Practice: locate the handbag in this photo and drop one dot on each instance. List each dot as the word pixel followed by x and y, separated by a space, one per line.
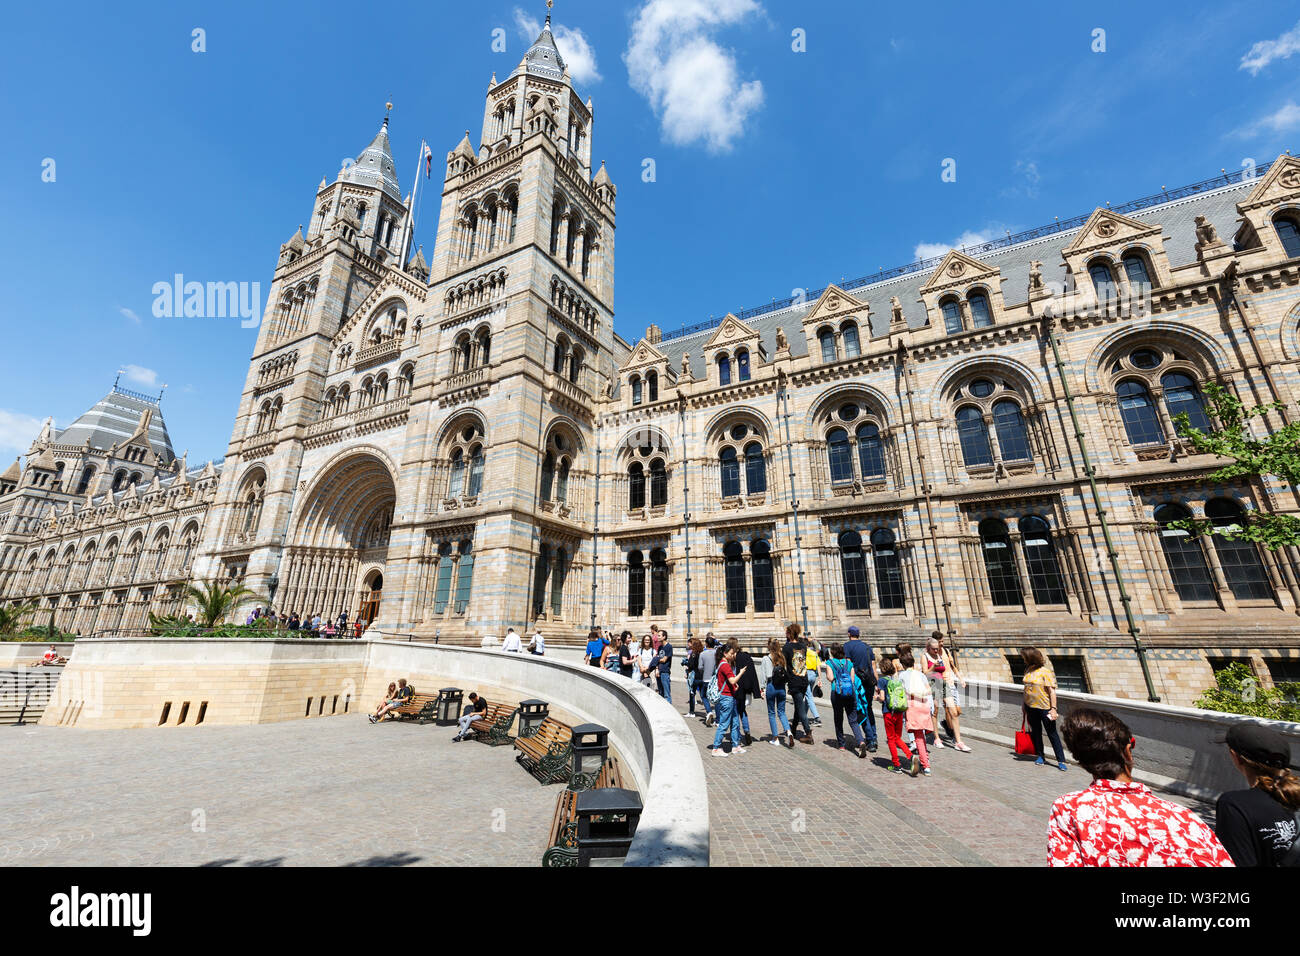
pixel 1024 743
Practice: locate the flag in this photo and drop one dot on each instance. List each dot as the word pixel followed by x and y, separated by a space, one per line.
pixel 428 161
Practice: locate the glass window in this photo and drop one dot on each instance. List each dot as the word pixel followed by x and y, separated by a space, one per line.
pixel 1070 674
pixel 658 582
pixel 755 469
pixel 464 576
pixel 1013 440
pixel 974 437
pixel 1141 423
pixel 457 481
pixel 853 568
pixel 636 485
pixel 562 481
pixel 1289 233
pixel 1102 280
pixel 1182 395
pixel 1135 269
pixel 636 390
pixel 558 575
pixel 548 475
pixel 852 346
pixel 841 459
pixel 1000 564
pixel 1145 358
pixel 742 366
pixel 724 370
pixel 1040 561
pixel 635 584
pixel 827 339
pixel 1184 556
pixel 729 467
pixel 889 572
pixel 557 361
pixel 652 380
pixel 982 388
pixel 871 453
pixel 734 566
pixel 848 412
pixel 475 471
pixel 951 316
pixel 980 313
pixel 1242 567
pixel 760 558
pixel 658 483
pixel 442 587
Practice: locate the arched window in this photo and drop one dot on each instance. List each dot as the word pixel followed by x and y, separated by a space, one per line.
pixel 755 469
pixel 636 486
pixel 951 316
pixel 1289 232
pixel 729 468
pixel 658 483
pixel 1141 423
pixel 841 458
pixel 652 385
pixel 1013 441
pixel 974 437
pixel 999 564
pixel 854 570
pixel 558 575
pixel 548 476
pixel 760 559
pixel 852 344
pixel 119 479
pixel 724 370
pixel 484 347
pixel 575 365
pixel 658 582
pixel 889 571
pixel 475 470
pixel 464 575
pixel 464 354
pixel 408 378
pixel 456 484
pixel 980 313
pixel 871 453
pixel 1102 280
pixel 1242 568
pixel 1135 270
pixel 742 365
pixel 1184 556
pixel 562 480
pixel 636 390
pixel 540 574
pixel 1182 395
pixel 635 584
pixel 87 473
pixel 734 567
pixel 1040 561
pixel 442 584
pixel 827 339
pixel 558 357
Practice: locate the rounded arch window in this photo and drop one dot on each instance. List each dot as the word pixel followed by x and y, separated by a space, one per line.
pixel 889 570
pixel 852 343
pixel 1182 397
pixel 636 485
pixel 1141 423
pixel 733 560
pixel 871 453
pixel 827 340
pixel 724 370
pixel 853 570
pixel 1135 270
pixel 729 471
pixel 652 385
pixel 742 365
pixel 1041 564
pixel 658 582
pixel 980 312
pixel 1183 555
pixel 999 564
pixel 1013 439
pixel 760 560
pixel 755 469
pixel 839 455
pixel 635 584
pixel 951 316
pixel 637 394
pixel 1242 568
pixel 973 436
pixel 1103 281
pixel 658 483
pixel 1288 231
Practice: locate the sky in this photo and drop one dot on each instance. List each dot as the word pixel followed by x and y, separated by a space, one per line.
pixel 759 147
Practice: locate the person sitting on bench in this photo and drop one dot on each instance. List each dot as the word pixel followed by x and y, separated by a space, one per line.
pixel 404 693
pixel 52 656
pixel 476 709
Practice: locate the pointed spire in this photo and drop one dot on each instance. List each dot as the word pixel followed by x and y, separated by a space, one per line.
pixel 13 472
pixel 543 57
pixel 375 166
pixel 466 148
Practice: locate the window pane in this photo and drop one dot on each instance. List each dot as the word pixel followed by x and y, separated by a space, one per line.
pixel 742 366
pixel 539 580
pixel 636 486
pixel 1289 233
pixel 1182 395
pixel 464 577
pixel 729 467
pixel 1012 437
pixel 871 454
pixel 974 437
pixel 635 584
pixel 852 347
pixel 1135 268
pixel 724 370
pixel 755 469
pixel 1102 281
pixel 658 583
pixel 1000 564
pixel 1183 554
pixel 853 567
pixel 981 314
pixel 735 577
pixel 828 346
pixel 548 475
pixel 889 572
pixel 1242 567
pixel 558 575
pixel 1040 561
pixel 841 459
pixel 951 317
pixel 442 590
pixel 658 484
pixel 476 474
pixel 1141 423
pixel 760 557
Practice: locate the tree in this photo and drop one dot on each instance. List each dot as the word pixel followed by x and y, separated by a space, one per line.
pixel 1236 691
pixel 215 601
pixel 11 618
pixel 1277 455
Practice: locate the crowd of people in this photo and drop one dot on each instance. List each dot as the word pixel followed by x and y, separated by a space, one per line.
pixel 314 624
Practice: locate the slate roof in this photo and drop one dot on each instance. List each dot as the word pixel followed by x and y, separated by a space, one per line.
pixel 375 167
pixel 114 418
pixel 543 57
pixel 1176 217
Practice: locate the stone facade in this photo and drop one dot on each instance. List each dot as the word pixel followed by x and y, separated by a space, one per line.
pixel 452 445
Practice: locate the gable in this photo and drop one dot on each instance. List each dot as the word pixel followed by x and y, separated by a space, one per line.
pixel 729 331
pixel 958 269
pixel 834 302
pixel 644 354
pixel 1106 228
pixel 1282 181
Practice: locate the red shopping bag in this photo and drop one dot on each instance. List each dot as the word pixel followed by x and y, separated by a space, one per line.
pixel 1024 743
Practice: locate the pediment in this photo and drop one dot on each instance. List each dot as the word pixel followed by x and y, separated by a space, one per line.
pixel 730 330
pixel 644 354
pixel 1282 181
pixel 957 268
pixel 1107 228
pixel 833 302
pixel 394 283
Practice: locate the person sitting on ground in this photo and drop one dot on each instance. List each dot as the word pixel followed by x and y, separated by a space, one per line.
pixel 1117 821
pixel 52 656
pixel 404 693
pixel 1260 826
pixel 476 709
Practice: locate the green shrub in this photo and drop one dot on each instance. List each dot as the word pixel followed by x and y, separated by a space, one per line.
pixel 1238 692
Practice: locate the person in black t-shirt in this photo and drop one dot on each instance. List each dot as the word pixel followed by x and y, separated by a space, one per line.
pixel 625 654
pixel 476 709
pixel 1260 826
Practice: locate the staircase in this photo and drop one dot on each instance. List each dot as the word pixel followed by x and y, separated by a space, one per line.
pixel 25 692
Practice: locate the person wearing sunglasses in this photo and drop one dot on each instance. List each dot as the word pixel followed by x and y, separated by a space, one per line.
pixel 1118 821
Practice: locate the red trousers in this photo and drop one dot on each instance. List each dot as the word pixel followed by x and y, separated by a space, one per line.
pixel 894 735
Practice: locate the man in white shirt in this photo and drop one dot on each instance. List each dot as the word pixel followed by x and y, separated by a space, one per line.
pixel 512 644
pixel 537 645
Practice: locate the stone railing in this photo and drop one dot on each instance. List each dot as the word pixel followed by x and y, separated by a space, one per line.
pixel 377 353
pixel 360 416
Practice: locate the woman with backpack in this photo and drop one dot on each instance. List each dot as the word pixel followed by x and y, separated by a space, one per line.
pixel 728 680
pixel 844 700
pixel 917 719
pixel 796 662
pixel 813 669
pixel 749 687
pixel 892 694
pixel 775 676
pixel 691 663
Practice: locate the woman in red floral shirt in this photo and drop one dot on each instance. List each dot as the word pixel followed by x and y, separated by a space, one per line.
pixel 1116 821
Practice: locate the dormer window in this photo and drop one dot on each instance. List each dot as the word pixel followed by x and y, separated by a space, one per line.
pixel 637 395
pixel 981 314
pixel 724 370
pixel 742 365
pixel 652 385
pixel 827 339
pixel 951 316
pixel 852 344
pixel 1288 230
pixel 1102 279
pixel 1135 270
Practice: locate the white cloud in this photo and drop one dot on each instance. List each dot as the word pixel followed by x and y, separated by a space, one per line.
pixel 141 375
pixel 1030 177
pixel 928 250
pixel 577 51
pixel 1266 51
pixel 130 314
pixel 1282 120
pixel 692 84
pixel 16 434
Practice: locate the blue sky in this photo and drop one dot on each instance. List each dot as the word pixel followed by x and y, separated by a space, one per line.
pixel 775 169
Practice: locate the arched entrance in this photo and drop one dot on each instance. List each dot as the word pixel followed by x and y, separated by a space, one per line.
pixel 343 528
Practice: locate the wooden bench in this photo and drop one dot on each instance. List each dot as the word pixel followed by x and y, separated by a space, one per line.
pixel 562 846
pixel 546 754
pixel 421 707
pixel 493 728
pixel 610 774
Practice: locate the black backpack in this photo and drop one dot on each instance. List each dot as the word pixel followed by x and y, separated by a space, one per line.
pixel 779 676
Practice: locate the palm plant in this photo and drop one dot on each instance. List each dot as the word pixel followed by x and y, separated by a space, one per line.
pixel 214 601
pixel 11 618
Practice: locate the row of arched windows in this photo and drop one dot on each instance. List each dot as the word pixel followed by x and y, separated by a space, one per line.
pixel 725 365
pixel 886 569
pixel 636 583
pixel 1041 566
pixel 471 351
pixel 567 358
pixel 467 462
pixel 645 390
pixel 461 564
pixel 1243 571
pixel 958 314
pixel 374 390
pixel 572 237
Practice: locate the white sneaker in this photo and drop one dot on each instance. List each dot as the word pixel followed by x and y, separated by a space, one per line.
pixel 775 742
pixel 721 753
pixel 737 750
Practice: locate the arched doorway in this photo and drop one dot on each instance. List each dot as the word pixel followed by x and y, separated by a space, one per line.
pixel 371 594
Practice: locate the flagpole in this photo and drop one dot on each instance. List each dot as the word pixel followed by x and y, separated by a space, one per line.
pixel 408 227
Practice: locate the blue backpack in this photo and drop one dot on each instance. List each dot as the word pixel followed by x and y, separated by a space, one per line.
pixel 843 683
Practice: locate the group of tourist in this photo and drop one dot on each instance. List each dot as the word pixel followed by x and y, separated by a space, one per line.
pixel 398 694
pixel 313 624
